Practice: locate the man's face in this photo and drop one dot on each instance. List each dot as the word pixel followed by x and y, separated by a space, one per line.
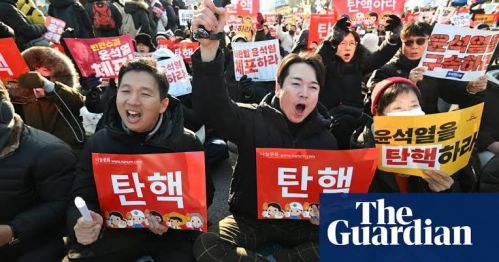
pixel 299 92
pixel 138 101
pixel 141 48
pixel 346 49
pixel 413 47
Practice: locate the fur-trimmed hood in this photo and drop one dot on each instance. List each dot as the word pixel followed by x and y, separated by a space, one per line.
pixel 15 138
pixel 63 70
pixel 133 5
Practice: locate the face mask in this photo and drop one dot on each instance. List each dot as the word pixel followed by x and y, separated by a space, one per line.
pixel 413 112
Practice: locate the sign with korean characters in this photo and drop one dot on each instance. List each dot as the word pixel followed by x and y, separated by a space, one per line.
pixel 185 16
pixel 257 60
pixel 320 27
pixel 458 53
pixel 12 64
pixel 185 50
pixel 177 76
pixel 169 186
pixel 289 181
pixel 102 57
pixel 410 144
pixel 55 29
pixel 359 10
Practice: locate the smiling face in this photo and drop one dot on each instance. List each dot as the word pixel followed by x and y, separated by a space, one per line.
pixel 299 93
pixel 404 101
pixel 196 222
pixel 138 101
pixel 346 49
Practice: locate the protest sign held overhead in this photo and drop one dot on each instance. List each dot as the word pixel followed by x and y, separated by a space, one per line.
pixel 185 16
pixel 168 186
pixel 12 64
pixel 55 29
pixel 289 181
pixel 320 27
pixel 177 76
pixel 102 57
pixel 358 10
pixel 458 53
pixel 257 60
pixel 410 144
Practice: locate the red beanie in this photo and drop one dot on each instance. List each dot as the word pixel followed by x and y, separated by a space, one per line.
pixel 380 88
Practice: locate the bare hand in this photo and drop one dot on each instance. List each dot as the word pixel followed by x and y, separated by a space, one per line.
pixel 438 180
pixel 155 225
pixel 5 235
pixel 416 74
pixel 478 85
pixel 87 232
pixel 207 17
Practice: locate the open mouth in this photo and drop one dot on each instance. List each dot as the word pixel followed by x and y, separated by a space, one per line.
pixel 347 56
pixel 300 108
pixel 133 116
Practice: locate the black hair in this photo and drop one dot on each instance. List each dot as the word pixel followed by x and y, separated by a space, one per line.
pixel 277 206
pixel 310 59
pixel 143 65
pixel 116 214
pixel 416 29
pixel 391 93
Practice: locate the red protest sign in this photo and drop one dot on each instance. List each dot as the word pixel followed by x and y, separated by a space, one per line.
pixel 320 27
pixel 359 10
pixel 289 181
pixel 169 186
pixel 185 50
pixel 101 56
pixel 55 29
pixel 12 64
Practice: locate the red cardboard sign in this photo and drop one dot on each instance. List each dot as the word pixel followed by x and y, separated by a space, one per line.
pixel 12 64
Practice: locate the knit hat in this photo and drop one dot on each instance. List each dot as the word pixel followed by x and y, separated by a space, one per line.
pixel 380 88
pixel 145 39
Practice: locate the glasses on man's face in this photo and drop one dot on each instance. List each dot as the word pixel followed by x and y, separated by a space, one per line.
pixel 419 41
pixel 350 44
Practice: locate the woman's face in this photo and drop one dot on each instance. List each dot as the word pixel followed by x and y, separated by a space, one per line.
pixel 346 49
pixel 404 101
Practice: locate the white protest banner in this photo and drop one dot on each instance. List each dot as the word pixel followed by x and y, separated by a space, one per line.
pixel 185 16
pixel 458 53
pixel 257 60
pixel 461 20
pixel 55 29
pixel 176 73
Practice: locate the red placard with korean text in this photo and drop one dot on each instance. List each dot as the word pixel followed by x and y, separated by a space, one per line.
pixel 169 186
pixel 242 8
pixel 320 27
pixel 12 64
pixel 102 56
pixel 359 9
pixel 289 181
pixel 55 29
pixel 185 50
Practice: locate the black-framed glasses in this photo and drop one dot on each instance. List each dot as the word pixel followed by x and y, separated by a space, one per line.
pixel 418 41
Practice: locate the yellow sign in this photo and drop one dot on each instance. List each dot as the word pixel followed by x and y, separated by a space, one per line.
pixel 410 144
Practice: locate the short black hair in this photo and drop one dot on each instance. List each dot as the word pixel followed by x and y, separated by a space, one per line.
pixel 374 14
pixel 308 58
pixel 116 214
pixel 156 214
pixel 391 93
pixel 275 205
pixel 149 66
pixel 416 29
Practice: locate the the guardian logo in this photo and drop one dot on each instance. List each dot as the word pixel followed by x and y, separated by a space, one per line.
pixel 395 227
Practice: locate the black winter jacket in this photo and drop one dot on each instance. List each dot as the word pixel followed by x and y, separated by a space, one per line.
pixel 489 128
pixel 141 16
pixel 250 126
pixel 113 139
pixel 37 171
pixel 23 29
pixel 75 16
pixel 453 92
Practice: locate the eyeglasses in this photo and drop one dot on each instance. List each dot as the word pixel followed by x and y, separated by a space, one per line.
pixel 343 44
pixel 419 41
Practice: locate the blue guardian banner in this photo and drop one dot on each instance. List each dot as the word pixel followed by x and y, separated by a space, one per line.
pixel 409 227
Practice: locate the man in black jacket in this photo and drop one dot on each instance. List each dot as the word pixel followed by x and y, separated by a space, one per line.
pixel 37 171
pixel 142 119
pixel 288 119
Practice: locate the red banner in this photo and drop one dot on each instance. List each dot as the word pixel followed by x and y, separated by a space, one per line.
pixel 169 186
pixel 359 10
pixel 12 64
pixel 185 50
pixel 320 27
pixel 290 180
pixel 101 56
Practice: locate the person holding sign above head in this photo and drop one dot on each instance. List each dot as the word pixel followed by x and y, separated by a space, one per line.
pixel 141 119
pixel 397 96
pixel 288 118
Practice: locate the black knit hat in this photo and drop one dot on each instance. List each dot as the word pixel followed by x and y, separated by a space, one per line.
pixel 145 39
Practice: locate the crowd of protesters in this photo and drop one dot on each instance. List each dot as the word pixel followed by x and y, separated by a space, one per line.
pixel 323 98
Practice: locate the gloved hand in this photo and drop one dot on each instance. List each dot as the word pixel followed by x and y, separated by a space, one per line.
pixel 340 30
pixel 259 21
pixel 279 19
pixel 393 25
pixel 32 80
pixel 246 86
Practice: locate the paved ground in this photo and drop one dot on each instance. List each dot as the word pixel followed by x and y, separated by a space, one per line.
pixel 221 177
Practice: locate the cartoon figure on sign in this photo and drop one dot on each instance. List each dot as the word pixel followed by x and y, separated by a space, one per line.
pixel 272 210
pixel 294 210
pixel 175 220
pixel 136 218
pixel 195 221
pixel 310 212
pixel 115 220
pixel 154 214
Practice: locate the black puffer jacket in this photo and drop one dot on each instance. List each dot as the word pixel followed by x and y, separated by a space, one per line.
pixel 489 129
pixel 23 29
pixel 37 171
pixel 250 126
pixel 113 139
pixel 75 16
pixel 453 92
pixel 142 18
pixel 384 182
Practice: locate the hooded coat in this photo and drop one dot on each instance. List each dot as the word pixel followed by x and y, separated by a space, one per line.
pixel 73 13
pixel 142 18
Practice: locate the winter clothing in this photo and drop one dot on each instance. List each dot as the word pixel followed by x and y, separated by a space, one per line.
pixel 142 18
pixel 6 31
pixel 115 14
pixel 73 13
pixel 31 11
